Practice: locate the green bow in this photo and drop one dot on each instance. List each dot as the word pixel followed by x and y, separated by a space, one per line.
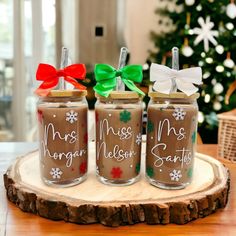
pixel 106 78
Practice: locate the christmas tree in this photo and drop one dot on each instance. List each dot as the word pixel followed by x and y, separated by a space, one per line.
pixel 204 31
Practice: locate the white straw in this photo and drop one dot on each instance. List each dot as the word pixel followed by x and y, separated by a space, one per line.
pixel 175 66
pixel 64 63
pixel 120 86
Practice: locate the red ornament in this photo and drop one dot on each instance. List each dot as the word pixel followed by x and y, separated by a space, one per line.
pixel 40 116
pixel 116 172
pixel 86 138
pixel 50 77
pixel 83 167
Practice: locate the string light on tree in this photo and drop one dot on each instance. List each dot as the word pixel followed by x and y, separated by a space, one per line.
pixel 219 49
pixel 199 7
pixel 206 75
pixel 207 98
pixel 229 26
pixel 220 69
pixel 200 117
pixel 218 88
pixel 217 106
pixel 209 60
pixel 205 33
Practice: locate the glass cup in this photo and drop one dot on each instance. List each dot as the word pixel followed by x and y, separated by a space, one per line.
pixel 118 137
pixel 63 137
pixel 171 139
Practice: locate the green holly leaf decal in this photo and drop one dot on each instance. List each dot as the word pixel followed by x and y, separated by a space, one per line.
pixel 194 136
pixel 125 116
pixel 137 168
pixel 190 173
pixel 150 172
pixel 150 126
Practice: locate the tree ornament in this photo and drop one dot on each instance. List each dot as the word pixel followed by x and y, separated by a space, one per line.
pixel 189 2
pixel 220 69
pixel 200 117
pixel 231 10
pixel 219 49
pixel 209 60
pixel 218 88
pixel 203 54
pixel 206 75
pixel 217 106
pixel 199 7
pixel 207 98
pixel 229 26
pixel 205 33
pixel 187 51
pixel 228 62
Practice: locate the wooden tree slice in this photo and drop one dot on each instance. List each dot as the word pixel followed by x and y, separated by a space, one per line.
pixel 93 202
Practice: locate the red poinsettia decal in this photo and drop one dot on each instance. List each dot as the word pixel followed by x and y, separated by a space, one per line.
pixel 96 117
pixel 116 172
pixel 83 167
pixel 86 138
pixel 40 116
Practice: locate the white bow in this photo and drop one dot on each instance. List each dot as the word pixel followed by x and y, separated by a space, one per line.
pixel 163 76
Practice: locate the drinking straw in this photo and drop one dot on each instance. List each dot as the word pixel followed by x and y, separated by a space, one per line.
pixel 64 63
pixel 120 86
pixel 175 66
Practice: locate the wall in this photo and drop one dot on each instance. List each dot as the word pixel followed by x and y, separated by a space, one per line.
pixel 140 20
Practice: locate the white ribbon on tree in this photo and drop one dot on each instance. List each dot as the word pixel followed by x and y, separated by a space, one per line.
pixel 162 77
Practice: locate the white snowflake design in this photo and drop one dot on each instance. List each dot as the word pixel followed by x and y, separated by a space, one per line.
pixel 56 173
pixel 179 114
pixel 71 116
pixel 139 139
pixel 205 33
pixel 175 175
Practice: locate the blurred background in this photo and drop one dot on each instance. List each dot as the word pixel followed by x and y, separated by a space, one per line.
pixel 33 31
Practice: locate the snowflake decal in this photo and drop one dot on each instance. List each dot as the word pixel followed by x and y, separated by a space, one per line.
pixel 116 172
pixel 175 175
pixel 205 33
pixel 56 173
pixel 125 116
pixel 179 114
pixel 150 172
pixel 139 139
pixel 83 167
pixel 150 126
pixel 71 116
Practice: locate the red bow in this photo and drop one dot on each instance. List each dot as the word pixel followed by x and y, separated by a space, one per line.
pixel 50 77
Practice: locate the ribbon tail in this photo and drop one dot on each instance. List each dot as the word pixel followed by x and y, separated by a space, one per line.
pixel 75 83
pixel 99 89
pixel 187 88
pixel 130 84
pixel 163 87
pixel 44 89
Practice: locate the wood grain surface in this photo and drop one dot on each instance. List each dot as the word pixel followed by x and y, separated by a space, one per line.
pixel 15 222
pixel 93 202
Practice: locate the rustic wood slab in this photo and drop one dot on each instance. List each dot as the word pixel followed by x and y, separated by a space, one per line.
pixel 93 202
